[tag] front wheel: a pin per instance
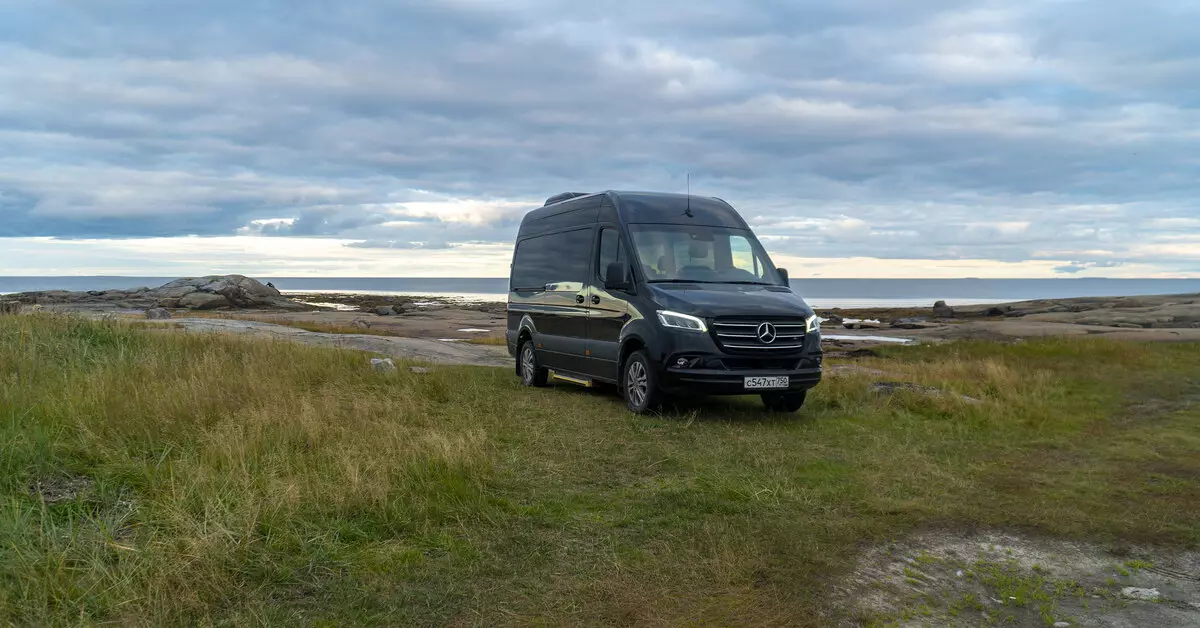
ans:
(639, 383)
(784, 401)
(531, 373)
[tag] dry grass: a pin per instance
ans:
(174, 478)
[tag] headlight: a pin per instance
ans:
(675, 320)
(812, 323)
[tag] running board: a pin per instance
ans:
(587, 383)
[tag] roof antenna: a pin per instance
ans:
(688, 212)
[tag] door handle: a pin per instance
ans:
(595, 300)
(579, 298)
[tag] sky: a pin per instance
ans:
(860, 138)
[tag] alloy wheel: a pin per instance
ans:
(636, 383)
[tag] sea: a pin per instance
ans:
(821, 292)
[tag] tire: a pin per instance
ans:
(527, 365)
(639, 383)
(784, 401)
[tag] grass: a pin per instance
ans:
(150, 478)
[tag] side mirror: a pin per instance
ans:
(784, 276)
(616, 277)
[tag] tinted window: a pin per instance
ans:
(610, 250)
(551, 259)
(701, 254)
(563, 220)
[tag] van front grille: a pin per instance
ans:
(754, 334)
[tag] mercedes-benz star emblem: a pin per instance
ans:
(766, 333)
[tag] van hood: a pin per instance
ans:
(713, 300)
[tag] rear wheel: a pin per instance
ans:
(639, 383)
(784, 401)
(531, 373)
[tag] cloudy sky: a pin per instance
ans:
(887, 138)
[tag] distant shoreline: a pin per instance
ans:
(819, 292)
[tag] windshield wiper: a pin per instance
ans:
(748, 283)
(679, 281)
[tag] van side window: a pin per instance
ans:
(557, 258)
(610, 250)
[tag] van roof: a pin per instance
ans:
(646, 207)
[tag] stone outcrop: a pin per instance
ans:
(1148, 312)
(941, 310)
(193, 293)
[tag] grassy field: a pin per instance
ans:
(152, 477)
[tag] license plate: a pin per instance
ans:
(759, 383)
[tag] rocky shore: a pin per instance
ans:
(190, 293)
(1143, 318)
(1179, 311)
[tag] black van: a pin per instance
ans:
(659, 294)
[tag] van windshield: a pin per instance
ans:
(693, 254)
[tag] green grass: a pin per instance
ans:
(150, 478)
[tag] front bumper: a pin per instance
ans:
(732, 382)
(712, 371)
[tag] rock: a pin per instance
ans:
(157, 314)
(418, 369)
(833, 318)
(994, 311)
(360, 323)
(1128, 326)
(1138, 593)
(238, 290)
(861, 325)
(383, 365)
(912, 323)
(1062, 624)
(941, 310)
(385, 310)
(170, 304)
(887, 388)
(203, 301)
(838, 370)
(10, 307)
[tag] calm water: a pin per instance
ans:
(818, 292)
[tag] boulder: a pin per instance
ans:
(994, 311)
(235, 290)
(941, 310)
(203, 301)
(157, 314)
(238, 290)
(1140, 593)
(170, 304)
(10, 307)
(383, 365)
(385, 310)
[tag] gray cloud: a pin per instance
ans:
(933, 130)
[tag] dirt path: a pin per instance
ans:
(421, 349)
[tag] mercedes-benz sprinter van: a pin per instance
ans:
(658, 294)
